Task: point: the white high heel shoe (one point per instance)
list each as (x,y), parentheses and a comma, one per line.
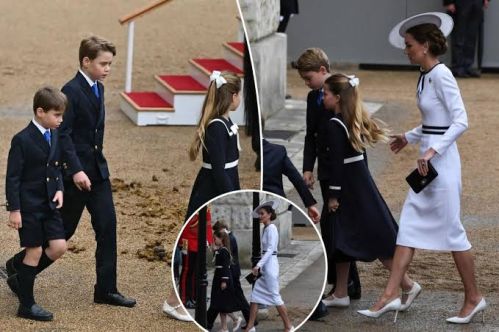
(393,305)
(465,320)
(412,294)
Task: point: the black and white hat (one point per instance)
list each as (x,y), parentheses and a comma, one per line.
(443,21)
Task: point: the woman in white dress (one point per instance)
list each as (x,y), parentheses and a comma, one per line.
(266,288)
(431,219)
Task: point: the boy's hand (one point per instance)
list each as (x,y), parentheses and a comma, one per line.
(314,214)
(223,285)
(15,220)
(58,197)
(255,270)
(81,180)
(308,177)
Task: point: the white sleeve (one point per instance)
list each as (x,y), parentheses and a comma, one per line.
(272,241)
(414,136)
(449,95)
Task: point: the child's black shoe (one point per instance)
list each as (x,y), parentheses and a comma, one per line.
(35,312)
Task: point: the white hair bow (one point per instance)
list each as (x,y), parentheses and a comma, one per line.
(218,78)
(354,81)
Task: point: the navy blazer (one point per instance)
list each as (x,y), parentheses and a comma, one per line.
(276,163)
(33,171)
(82,131)
(316,137)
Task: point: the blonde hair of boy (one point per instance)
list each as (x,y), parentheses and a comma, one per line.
(216,103)
(312,59)
(91,46)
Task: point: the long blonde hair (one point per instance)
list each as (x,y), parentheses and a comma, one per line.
(216,103)
(363,130)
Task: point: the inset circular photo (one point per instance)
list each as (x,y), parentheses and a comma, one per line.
(249,260)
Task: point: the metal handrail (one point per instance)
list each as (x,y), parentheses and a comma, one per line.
(142,11)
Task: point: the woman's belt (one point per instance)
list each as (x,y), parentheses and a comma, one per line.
(273,253)
(227,165)
(434,130)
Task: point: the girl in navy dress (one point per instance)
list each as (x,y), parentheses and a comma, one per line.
(363,227)
(223,299)
(217,136)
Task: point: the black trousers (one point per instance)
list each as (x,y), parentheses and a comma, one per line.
(467,19)
(327,237)
(100,205)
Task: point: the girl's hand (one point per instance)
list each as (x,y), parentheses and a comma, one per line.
(333,204)
(223,285)
(255,270)
(398,142)
(15,220)
(423,161)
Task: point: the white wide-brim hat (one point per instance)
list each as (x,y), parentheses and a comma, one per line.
(443,21)
(273,204)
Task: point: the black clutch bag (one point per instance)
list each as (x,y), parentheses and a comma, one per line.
(251,278)
(419,182)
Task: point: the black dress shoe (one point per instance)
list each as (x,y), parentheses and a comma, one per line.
(114,299)
(460,74)
(13,284)
(319,312)
(473,73)
(10,267)
(35,312)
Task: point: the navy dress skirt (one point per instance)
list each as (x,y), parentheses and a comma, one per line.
(225,300)
(363,227)
(219,172)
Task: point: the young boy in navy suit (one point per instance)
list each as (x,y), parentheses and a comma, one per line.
(86,172)
(34,194)
(314,68)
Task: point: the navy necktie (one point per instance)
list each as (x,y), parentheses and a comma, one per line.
(320,97)
(95,88)
(47,136)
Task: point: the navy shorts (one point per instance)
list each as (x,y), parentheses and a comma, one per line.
(40,227)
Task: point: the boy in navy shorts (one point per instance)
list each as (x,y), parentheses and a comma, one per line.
(86,174)
(34,194)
